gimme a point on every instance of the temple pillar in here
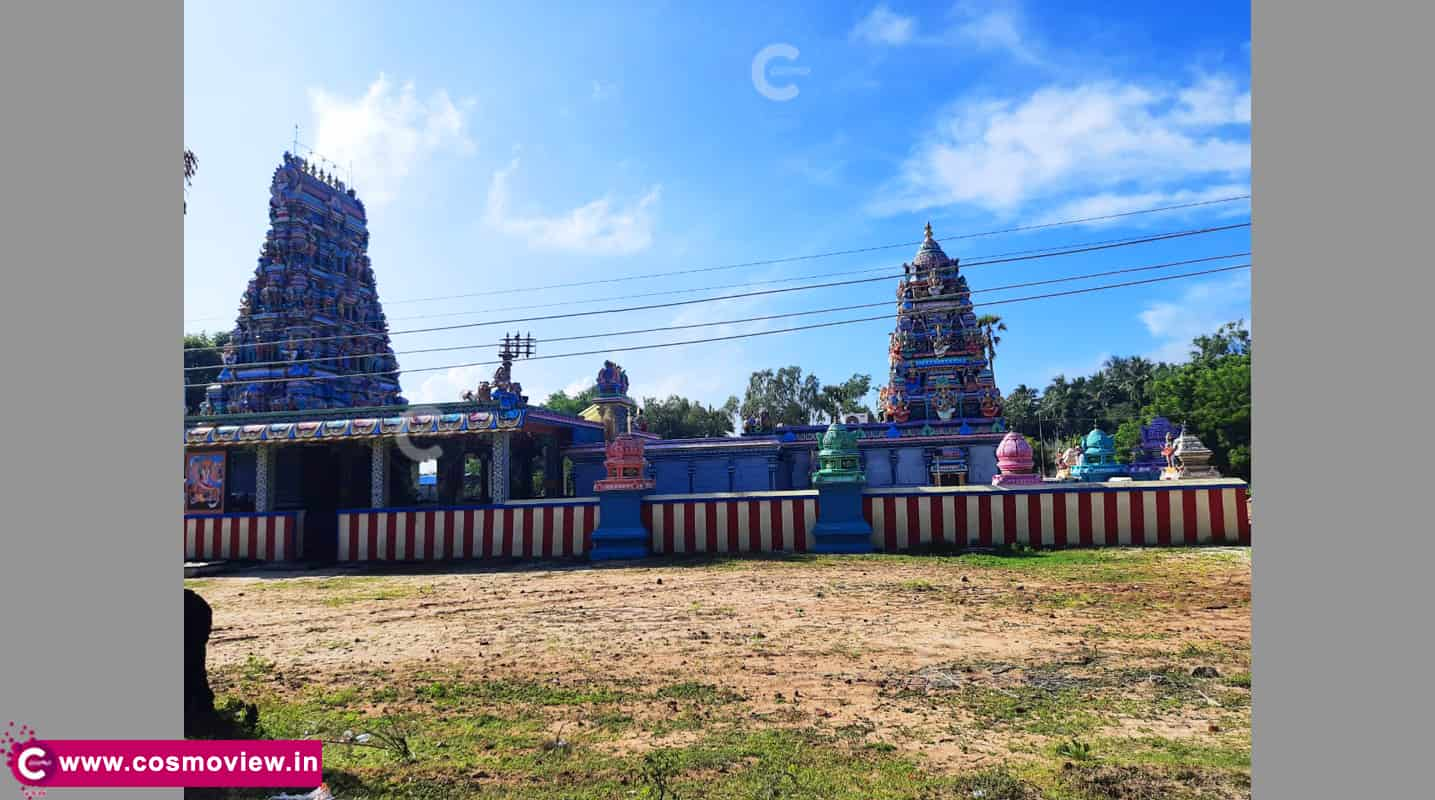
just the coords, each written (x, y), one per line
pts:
(553, 469)
(499, 466)
(264, 478)
(450, 474)
(379, 473)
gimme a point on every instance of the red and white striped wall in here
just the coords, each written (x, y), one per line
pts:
(275, 536)
(518, 530)
(1136, 514)
(724, 523)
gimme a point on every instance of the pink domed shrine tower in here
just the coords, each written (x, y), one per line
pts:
(1014, 459)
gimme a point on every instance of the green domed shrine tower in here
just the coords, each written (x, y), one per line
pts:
(310, 332)
(940, 359)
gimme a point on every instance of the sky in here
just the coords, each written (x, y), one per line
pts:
(507, 151)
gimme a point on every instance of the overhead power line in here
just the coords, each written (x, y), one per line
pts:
(810, 256)
(758, 293)
(763, 318)
(814, 326)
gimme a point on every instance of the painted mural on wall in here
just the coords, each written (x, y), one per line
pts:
(204, 474)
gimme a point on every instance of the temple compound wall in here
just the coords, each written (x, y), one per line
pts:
(1136, 514)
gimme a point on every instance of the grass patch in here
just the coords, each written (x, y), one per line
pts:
(698, 693)
(511, 692)
(1066, 713)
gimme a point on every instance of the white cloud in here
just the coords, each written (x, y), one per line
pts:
(386, 133)
(1000, 29)
(882, 26)
(1061, 143)
(599, 226)
(1109, 203)
(994, 28)
(1213, 101)
(1201, 309)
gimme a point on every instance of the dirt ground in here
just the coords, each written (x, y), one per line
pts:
(957, 662)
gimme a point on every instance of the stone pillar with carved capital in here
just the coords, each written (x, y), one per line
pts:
(379, 473)
(499, 467)
(264, 478)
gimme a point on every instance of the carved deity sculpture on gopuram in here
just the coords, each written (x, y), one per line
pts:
(939, 357)
(310, 332)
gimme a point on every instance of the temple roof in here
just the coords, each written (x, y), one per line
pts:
(930, 254)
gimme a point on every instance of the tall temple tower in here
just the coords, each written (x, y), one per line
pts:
(310, 327)
(940, 360)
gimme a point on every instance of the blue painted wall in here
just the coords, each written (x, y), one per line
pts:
(712, 475)
(749, 470)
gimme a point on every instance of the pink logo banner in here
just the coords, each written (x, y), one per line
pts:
(165, 763)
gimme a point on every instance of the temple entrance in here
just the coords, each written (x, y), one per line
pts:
(321, 480)
(949, 479)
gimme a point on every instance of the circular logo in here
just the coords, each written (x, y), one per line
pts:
(785, 52)
(33, 763)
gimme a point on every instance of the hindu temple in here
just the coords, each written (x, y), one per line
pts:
(305, 447)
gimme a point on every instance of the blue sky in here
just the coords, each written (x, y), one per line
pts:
(507, 146)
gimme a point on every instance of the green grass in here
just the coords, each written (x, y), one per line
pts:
(506, 739)
(698, 693)
(458, 694)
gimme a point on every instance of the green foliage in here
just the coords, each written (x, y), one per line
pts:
(681, 418)
(785, 394)
(1074, 749)
(791, 398)
(1214, 399)
(1211, 394)
(834, 400)
(209, 358)
(560, 401)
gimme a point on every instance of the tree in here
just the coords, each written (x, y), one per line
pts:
(1233, 338)
(560, 401)
(785, 394)
(1021, 409)
(1211, 393)
(991, 324)
(835, 400)
(681, 418)
(206, 354)
(191, 166)
(1214, 399)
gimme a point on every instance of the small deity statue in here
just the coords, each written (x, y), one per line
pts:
(941, 341)
(1168, 451)
(502, 376)
(228, 356)
(612, 379)
(990, 407)
(206, 408)
(944, 402)
(934, 283)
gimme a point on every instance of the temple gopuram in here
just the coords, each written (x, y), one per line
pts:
(940, 359)
(304, 447)
(311, 333)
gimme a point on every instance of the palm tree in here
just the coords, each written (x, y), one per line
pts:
(991, 324)
(191, 166)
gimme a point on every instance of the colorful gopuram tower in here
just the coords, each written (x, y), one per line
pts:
(310, 330)
(940, 359)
